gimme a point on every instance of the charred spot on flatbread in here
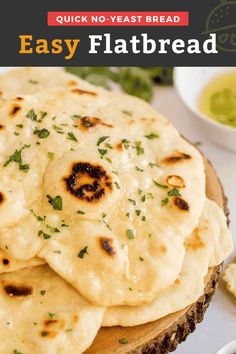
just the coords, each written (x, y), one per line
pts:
(107, 245)
(181, 204)
(2, 126)
(88, 123)
(175, 181)
(2, 198)
(176, 157)
(88, 182)
(5, 261)
(83, 92)
(18, 290)
(14, 110)
(18, 98)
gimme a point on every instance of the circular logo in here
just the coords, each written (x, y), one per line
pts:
(222, 21)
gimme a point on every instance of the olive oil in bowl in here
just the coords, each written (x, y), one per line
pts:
(218, 99)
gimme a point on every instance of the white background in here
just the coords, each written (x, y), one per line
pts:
(219, 325)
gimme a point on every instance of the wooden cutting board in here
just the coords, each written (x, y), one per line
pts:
(163, 336)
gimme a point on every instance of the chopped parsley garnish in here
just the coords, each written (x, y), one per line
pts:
(71, 136)
(102, 152)
(152, 136)
(34, 82)
(59, 130)
(105, 222)
(123, 341)
(163, 186)
(101, 140)
(57, 251)
(51, 315)
(130, 234)
(138, 147)
(44, 235)
(141, 259)
(16, 134)
(53, 229)
(69, 330)
(138, 212)
(39, 218)
(108, 160)
(17, 158)
(80, 212)
(55, 202)
(20, 126)
(152, 164)
(41, 133)
(132, 201)
(82, 252)
(128, 113)
(164, 201)
(32, 115)
(42, 292)
(174, 193)
(51, 155)
(43, 114)
(117, 185)
(139, 169)
(125, 143)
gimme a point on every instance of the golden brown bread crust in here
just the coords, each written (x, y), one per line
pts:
(164, 335)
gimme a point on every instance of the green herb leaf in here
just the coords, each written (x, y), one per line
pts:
(152, 136)
(163, 186)
(41, 133)
(141, 259)
(101, 140)
(34, 82)
(117, 185)
(71, 136)
(32, 115)
(80, 212)
(51, 155)
(139, 148)
(164, 201)
(130, 234)
(123, 341)
(42, 292)
(102, 152)
(126, 143)
(51, 315)
(174, 193)
(55, 202)
(17, 158)
(82, 252)
(45, 236)
(132, 201)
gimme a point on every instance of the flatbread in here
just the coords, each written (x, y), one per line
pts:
(113, 170)
(9, 264)
(209, 245)
(229, 276)
(28, 81)
(41, 313)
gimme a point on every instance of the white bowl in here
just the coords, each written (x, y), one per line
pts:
(189, 82)
(228, 348)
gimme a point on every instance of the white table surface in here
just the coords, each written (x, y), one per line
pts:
(219, 325)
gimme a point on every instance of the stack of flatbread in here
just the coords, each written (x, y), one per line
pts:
(104, 219)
